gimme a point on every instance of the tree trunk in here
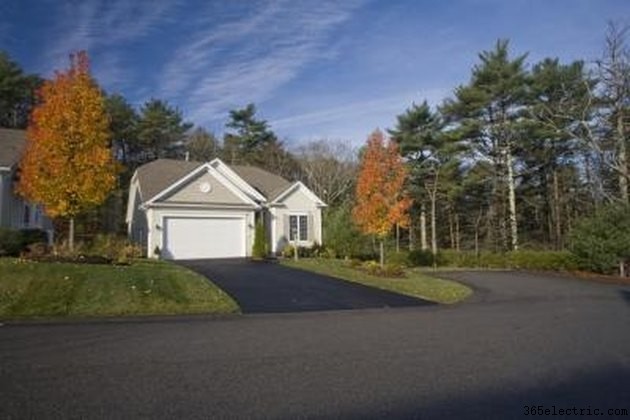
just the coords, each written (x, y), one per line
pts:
(382, 253)
(423, 228)
(622, 268)
(433, 228)
(451, 228)
(412, 237)
(457, 232)
(557, 211)
(623, 158)
(512, 201)
(71, 235)
(397, 237)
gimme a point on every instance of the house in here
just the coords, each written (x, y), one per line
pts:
(15, 212)
(190, 210)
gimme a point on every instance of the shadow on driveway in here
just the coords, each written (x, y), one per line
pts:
(264, 287)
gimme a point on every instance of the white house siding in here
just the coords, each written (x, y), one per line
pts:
(296, 203)
(191, 192)
(156, 222)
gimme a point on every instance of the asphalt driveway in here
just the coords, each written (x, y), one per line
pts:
(265, 287)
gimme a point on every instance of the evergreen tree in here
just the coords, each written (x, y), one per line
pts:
(161, 131)
(17, 93)
(488, 111)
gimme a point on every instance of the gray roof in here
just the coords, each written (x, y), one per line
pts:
(268, 184)
(158, 175)
(12, 144)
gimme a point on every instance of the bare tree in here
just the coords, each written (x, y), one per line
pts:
(614, 78)
(329, 168)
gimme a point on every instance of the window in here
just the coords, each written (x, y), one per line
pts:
(298, 224)
(27, 215)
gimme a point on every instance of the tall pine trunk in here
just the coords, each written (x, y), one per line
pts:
(623, 157)
(423, 227)
(557, 211)
(511, 201)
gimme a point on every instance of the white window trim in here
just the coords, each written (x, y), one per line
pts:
(298, 214)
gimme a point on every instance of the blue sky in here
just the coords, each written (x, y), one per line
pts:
(315, 69)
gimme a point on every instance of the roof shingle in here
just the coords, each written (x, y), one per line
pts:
(12, 145)
(158, 175)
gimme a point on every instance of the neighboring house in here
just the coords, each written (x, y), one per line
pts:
(189, 210)
(15, 212)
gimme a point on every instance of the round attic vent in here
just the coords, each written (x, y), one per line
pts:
(205, 187)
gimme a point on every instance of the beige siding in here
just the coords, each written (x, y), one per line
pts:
(296, 203)
(191, 192)
(138, 225)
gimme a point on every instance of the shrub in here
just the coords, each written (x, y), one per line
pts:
(374, 268)
(342, 236)
(14, 242)
(602, 242)
(420, 258)
(259, 250)
(10, 242)
(114, 247)
(398, 258)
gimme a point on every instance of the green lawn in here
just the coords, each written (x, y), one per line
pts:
(37, 290)
(416, 284)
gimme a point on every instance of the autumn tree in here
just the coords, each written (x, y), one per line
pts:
(68, 165)
(380, 199)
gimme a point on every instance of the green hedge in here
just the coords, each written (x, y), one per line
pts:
(526, 259)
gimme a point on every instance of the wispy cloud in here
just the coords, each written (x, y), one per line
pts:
(249, 56)
(352, 121)
(99, 24)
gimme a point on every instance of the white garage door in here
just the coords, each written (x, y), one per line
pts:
(193, 238)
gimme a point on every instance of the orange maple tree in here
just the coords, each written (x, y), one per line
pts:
(381, 201)
(68, 166)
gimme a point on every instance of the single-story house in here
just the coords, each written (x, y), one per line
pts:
(181, 209)
(15, 212)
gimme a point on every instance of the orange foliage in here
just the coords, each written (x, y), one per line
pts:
(380, 199)
(68, 165)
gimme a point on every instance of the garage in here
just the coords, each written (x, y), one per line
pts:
(203, 237)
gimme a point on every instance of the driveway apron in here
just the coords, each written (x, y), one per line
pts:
(265, 287)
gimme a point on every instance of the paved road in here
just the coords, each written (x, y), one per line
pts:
(264, 287)
(555, 342)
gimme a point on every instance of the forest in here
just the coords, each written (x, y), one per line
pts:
(525, 156)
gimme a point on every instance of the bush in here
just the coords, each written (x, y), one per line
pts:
(259, 250)
(420, 258)
(525, 259)
(13, 242)
(602, 242)
(313, 251)
(401, 259)
(342, 237)
(10, 242)
(110, 247)
(374, 268)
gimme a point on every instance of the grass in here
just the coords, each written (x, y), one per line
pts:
(416, 284)
(39, 290)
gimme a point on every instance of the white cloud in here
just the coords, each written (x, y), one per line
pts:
(248, 57)
(94, 24)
